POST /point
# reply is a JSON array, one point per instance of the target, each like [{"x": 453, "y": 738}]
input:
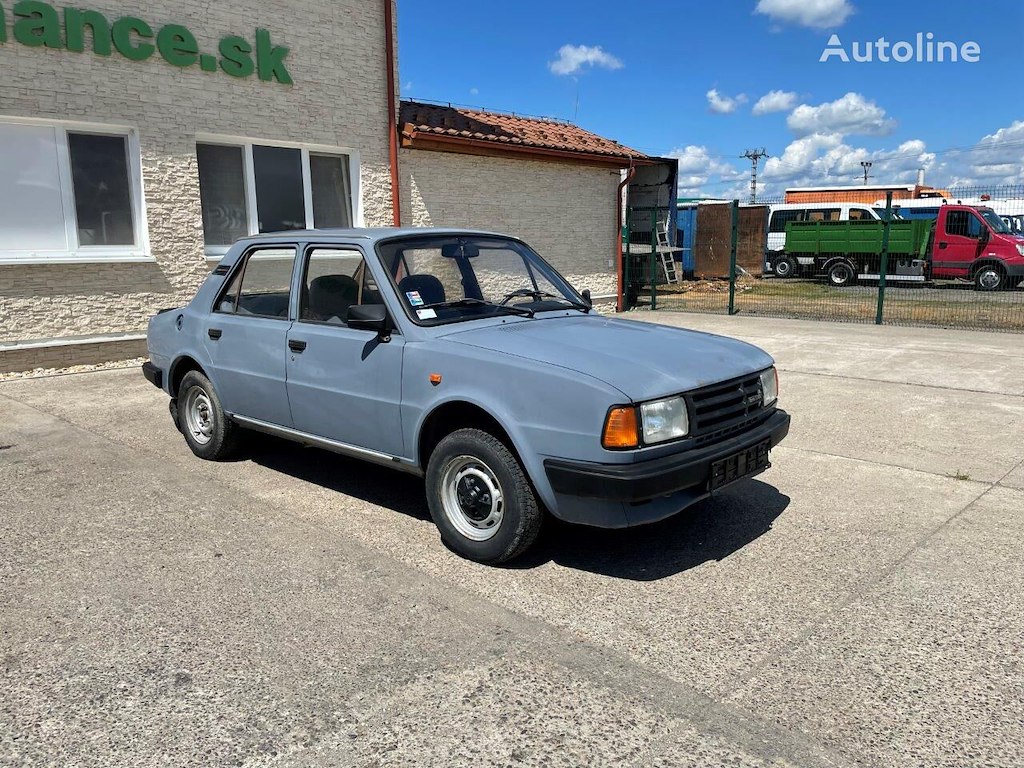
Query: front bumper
[
  {"x": 651, "y": 479},
  {"x": 153, "y": 374}
]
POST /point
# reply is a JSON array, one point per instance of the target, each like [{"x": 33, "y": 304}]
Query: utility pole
[
  {"x": 866, "y": 165},
  {"x": 753, "y": 155}
]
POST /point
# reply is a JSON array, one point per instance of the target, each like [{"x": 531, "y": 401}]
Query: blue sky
[{"x": 686, "y": 78}]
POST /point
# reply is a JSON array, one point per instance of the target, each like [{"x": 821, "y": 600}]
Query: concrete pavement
[{"x": 858, "y": 604}]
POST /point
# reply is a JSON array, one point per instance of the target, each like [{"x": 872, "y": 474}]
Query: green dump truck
[
  {"x": 846, "y": 251},
  {"x": 963, "y": 243}
]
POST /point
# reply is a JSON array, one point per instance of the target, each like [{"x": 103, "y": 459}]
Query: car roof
[{"x": 370, "y": 234}]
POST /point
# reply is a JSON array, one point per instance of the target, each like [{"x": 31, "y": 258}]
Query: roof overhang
[{"x": 435, "y": 142}]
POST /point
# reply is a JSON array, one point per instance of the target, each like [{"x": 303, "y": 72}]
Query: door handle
[
  {"x": 295, "y": 345},
  {"x": 942, "y": 246},
  {"x": 214, "y": 333}
]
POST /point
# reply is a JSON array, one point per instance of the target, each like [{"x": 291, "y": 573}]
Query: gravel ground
[{"x": 38, "y": 373}]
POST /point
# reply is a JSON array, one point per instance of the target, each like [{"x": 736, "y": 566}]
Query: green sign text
[{"x": 34, "y": 23}]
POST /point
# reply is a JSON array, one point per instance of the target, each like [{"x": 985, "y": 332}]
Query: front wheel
[
  {"x": 841, "y": 274},
  {"x": 480, "y": 498},
  {"x": 785, "y": 267},
  {"x": 989, "y": 277}
]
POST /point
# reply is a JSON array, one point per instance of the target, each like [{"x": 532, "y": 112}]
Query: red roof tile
[{"x": 510, "y": 131}]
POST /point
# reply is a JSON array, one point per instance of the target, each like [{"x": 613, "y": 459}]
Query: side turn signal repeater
[
  {"x": 435, "y": 379},
  {"x": 620, "y": 428}
]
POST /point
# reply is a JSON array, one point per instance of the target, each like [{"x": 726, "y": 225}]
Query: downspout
[
  {"x": 621, "y": 299},
  {"x": 389, "y": 46}
]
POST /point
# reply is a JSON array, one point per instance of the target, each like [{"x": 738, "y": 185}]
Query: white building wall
[
  {"x": 565, "y": 211},
  {"x": 337, "y": 63}
]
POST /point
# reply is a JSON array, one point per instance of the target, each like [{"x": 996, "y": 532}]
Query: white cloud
[
  {"x": 775, "y": 101},
  {"x": 572, "y": 58},
  {"x": 407, "y": 86},
  {"x": 474, "y": 91},
  {"x": 826, "y": 160},
  {"x": 851, "y": 113},
  {"x": 817, "y": 14},
  {"x": 698, "y": 168},
  {"x": 721, "y": 104},
  {"x": 997, "y": 159}
]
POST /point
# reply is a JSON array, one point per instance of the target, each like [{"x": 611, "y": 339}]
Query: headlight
[
  {"x": 1020, "y": 248},
  {"x": 664, "y": 420},
  {"x": 769, "y": 386}
]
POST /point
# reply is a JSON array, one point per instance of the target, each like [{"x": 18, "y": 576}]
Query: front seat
[
  {"x": 430, "y": 289},
  {"x": 330, "y": 296}
]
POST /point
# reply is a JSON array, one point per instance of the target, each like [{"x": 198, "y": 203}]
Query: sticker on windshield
[
  {"x": 414, "y": 298},
  {"x": 425, "y": 314}
]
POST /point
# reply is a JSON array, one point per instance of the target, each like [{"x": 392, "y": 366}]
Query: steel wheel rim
[
  {"x": 782, "y": 268},
  {"x": 989, "y": 278},
  {"x": 472, "y": 498},
  {"x": 841, "y": 274},
  {"x": 199, "y": 417}
]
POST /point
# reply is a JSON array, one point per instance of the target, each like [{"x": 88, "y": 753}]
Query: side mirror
[
  {"x": 586, "y": 297},
  {"x": 370, "y": 317},
  {"x": 983, "y": 237}
]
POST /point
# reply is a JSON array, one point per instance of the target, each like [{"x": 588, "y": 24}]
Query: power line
[{"x": 754, "y": 155}]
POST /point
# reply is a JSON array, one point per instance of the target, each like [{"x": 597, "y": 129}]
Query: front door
[
  {"x": 343, "y": 384},
  {"x": 247, "y": 336},
  {"x": 957, "y": 243}
]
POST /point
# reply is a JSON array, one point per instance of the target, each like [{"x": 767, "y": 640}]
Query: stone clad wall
[
  {"x": 565, "y": 211},
  {"x": 338, "y": 98}
]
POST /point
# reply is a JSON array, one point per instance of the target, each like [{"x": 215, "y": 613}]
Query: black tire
[
  {"x": 989, "y": 277},
  {"x": 841, "y": 274},
  {"x": 207, "y": 429},
  {"x": 484, "y": 464},
  {"x": 785, "y": 266}
]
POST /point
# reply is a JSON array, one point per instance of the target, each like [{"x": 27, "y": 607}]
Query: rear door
[
  {"x": 247, "y": 334},
  {"x": 344, "y": 384},
  {"x": 957, "y": 242}
]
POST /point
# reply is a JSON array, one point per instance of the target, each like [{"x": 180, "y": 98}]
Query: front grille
[{"x": 724, "y": 409}]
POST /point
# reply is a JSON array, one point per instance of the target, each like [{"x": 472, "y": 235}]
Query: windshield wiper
[
  {"x": 571, "y": 302},
  {"x": 471, "y": 302}
]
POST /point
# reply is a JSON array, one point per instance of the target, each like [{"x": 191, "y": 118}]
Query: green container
[{"x": 861, "y": 237}]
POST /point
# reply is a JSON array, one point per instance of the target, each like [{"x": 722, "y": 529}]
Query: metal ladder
[{"x": 667, "y": 253}]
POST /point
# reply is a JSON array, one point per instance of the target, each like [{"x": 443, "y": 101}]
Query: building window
[
  {"x": 249, "y": 188},
  {"x": 69, "y": 194}
]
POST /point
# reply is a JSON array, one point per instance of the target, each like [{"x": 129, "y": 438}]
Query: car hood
[{"x": 642, "y": 360}]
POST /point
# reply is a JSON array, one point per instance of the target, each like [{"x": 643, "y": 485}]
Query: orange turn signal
[{"x": 620, "y": 428}]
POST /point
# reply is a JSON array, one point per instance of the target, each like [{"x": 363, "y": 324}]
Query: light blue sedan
[{"x": 466, "y": 358}]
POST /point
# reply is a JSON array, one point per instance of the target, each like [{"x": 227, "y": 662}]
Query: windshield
[
  {"x": 993, "y": 220},
  {"x": 449, "y": 278}
]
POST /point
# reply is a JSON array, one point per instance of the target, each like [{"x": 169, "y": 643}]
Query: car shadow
[
  {"x": 368, "y": 482},
  {"x": 711, "y": 530}
]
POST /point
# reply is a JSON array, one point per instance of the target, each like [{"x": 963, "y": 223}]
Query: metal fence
[{"x": 954, "y": 260}]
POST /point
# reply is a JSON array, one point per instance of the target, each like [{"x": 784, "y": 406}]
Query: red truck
[{"x": 965, "y": 242}]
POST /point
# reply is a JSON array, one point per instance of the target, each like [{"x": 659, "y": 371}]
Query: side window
[
  {"x": 860, "y": 214},
  {"x": 262, "y": 286},
  {"x": 822, "y": 214},
  {"x": 963, "y": 223},
  {"x": 335, "y": 279},
  {"x": 780, "y": 218}
]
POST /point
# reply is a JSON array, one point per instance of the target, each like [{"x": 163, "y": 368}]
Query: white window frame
[
  {"x": 246, "y": 143},
  {"x": 78, "y": 253}
]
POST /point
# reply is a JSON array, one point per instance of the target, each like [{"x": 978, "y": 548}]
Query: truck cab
[{"x": 974, "y": 243}]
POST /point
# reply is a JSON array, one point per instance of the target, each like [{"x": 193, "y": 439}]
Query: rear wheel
[
  {"x": 207, "y": 429},
  {"x": 785, "y": 266},
  {"x": 989, "y": 277},
  {"x": 480, "y": 498},
  {"x": 841, "y": 274}
]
